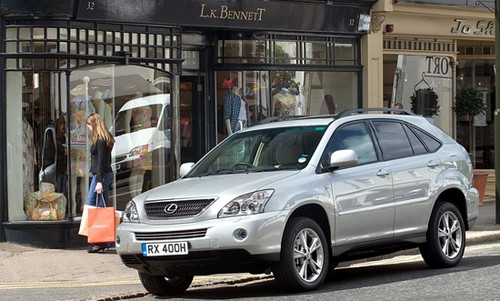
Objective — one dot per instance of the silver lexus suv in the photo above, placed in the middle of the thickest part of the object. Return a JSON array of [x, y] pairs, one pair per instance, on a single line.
[[296, 197]]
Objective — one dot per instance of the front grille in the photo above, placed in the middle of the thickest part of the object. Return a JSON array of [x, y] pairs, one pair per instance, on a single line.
[[170, 209], [155, 236]]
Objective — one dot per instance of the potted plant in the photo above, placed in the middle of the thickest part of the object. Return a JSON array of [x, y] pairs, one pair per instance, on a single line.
[[469, 102], [424, 102]]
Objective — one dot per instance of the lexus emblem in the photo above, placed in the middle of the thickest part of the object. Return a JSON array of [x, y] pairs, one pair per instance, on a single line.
[[170, 208]]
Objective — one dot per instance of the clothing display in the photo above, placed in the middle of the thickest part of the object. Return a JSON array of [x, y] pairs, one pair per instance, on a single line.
[[29, 159], [236, 110], [287, 104]]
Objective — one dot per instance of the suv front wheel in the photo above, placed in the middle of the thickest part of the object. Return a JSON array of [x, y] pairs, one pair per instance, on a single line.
[[163, 286], [304, 257], [445, 237]]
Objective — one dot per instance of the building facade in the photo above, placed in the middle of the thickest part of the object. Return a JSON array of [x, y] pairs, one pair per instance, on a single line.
[[171, 79], [433, 49]]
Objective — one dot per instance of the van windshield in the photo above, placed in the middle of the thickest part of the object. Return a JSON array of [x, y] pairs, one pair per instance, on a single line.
[[271, 149], [139, 118]]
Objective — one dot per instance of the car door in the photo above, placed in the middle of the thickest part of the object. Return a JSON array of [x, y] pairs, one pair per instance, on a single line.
[[415, 169], [362, 194]]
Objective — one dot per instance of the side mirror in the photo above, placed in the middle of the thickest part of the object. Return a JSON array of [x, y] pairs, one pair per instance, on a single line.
[[342, 159], [185, 168]]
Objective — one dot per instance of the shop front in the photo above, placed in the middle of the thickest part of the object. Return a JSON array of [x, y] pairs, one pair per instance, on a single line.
[[432, 52], [170, 82]]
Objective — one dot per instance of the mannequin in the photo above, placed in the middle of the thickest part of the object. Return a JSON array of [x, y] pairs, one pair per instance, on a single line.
[[329, 105], [285, 103], [140, 118], [79, 110], [102, 109], [29, 155], [236, 113]]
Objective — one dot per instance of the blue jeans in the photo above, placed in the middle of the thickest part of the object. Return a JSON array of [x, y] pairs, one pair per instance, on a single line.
[[107, 179]]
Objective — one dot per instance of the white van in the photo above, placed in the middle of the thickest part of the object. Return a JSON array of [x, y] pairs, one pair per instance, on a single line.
[[142, 126]]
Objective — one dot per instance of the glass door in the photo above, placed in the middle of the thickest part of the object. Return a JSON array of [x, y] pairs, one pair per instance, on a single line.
[[134, 103]]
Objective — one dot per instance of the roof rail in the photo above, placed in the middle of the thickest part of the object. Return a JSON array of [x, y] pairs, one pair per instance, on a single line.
[[291, 117], [350, 112]]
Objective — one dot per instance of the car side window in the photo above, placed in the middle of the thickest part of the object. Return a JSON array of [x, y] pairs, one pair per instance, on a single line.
[[416, 144], [431, 143], [352, 136], [393, 140]]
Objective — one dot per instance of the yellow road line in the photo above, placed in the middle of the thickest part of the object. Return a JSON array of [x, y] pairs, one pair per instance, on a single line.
[[69, 285]]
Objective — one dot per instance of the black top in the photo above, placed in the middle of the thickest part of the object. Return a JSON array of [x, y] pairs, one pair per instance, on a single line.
[[100, 163]]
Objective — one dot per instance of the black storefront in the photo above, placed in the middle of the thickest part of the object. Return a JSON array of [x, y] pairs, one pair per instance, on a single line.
[[159, 72]]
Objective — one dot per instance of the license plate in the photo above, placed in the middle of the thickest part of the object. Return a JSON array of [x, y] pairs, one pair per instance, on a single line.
[[165, 249]]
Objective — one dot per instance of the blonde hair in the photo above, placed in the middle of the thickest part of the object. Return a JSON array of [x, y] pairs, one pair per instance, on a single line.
[[99, 130]]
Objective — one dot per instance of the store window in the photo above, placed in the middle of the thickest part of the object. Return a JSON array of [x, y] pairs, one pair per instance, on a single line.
[[134, 103], [274, 82], [50, 95], [245, 98], [422, 84], [479, 74]]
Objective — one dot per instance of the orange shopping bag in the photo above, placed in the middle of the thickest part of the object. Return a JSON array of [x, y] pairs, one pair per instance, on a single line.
[[101, 224]]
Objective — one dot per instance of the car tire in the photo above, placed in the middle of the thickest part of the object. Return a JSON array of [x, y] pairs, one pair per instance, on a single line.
[[306, 272], [163, 286], [445, 244]]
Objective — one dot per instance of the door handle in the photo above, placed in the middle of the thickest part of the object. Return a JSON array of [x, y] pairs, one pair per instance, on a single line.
[[382, 173], [432, 164]]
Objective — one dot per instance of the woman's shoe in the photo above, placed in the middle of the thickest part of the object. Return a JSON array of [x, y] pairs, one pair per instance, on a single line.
[[95, 249]]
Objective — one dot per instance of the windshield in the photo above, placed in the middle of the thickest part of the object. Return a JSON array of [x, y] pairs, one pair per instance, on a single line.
[[262, 150], [138, 118]]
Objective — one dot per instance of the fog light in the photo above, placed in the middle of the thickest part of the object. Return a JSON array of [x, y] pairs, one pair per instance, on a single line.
[[117, 242], [240, 234]]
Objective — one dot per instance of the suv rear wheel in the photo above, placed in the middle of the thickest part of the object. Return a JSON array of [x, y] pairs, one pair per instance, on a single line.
[[445, 237], [304, 256], [163, 286]]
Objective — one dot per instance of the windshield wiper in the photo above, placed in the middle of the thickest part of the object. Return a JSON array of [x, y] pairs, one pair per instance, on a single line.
[[216, 172]]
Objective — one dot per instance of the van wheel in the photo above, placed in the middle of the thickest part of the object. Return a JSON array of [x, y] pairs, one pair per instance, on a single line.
[[445, 244], [304, 257], [163, 286]]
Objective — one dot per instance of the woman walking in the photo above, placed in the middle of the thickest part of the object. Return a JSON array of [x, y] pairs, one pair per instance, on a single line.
[[100, 167]]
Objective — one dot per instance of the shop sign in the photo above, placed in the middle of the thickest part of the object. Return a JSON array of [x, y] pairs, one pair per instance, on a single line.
[[224, 12], [480, 28], [248, 14]]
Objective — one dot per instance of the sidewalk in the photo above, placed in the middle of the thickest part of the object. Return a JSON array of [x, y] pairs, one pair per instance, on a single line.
[[26, 266]]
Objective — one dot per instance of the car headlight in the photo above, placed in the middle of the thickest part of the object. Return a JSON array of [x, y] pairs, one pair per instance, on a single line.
[[130, 214], [247, 204], [142, 149]]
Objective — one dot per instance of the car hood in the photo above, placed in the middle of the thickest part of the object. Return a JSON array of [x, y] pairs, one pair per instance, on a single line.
[[231, 185], [126, 142]]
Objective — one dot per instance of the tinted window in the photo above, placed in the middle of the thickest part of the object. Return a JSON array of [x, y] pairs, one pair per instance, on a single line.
[[393, 140], [416, 144], [355, 137], [431, 143]]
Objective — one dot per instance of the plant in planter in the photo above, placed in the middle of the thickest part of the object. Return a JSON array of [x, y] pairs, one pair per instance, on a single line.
[[469, 102], [424, 102]]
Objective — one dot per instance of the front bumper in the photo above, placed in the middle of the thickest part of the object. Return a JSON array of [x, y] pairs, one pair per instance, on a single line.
[[235, 244]]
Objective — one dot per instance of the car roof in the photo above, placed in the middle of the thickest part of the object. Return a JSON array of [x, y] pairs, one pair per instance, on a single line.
[[350, 115]]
